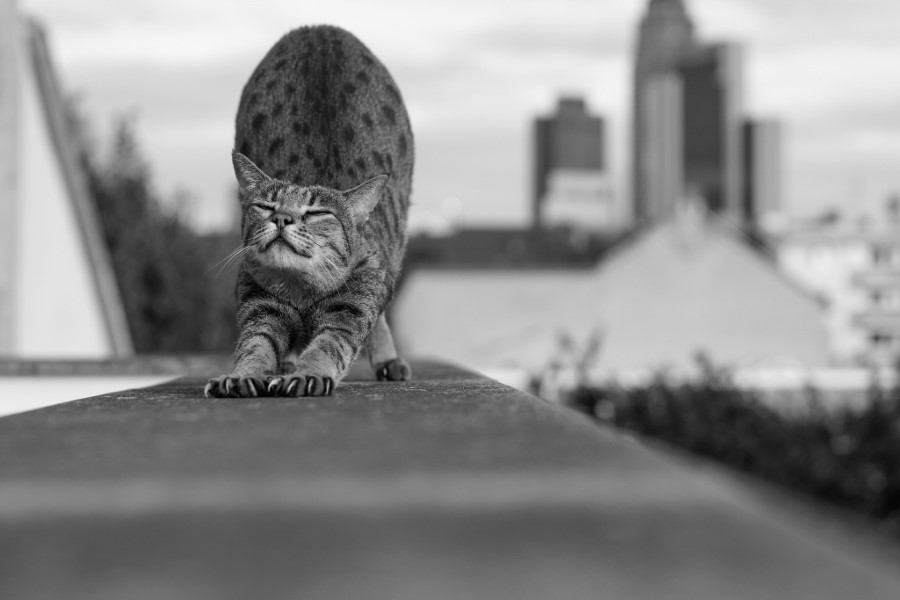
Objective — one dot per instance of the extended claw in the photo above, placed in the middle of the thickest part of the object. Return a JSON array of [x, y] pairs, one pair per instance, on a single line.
[[272, 386], [207, 389]]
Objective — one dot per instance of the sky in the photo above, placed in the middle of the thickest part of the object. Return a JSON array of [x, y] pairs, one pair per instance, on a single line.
[[474, 74]]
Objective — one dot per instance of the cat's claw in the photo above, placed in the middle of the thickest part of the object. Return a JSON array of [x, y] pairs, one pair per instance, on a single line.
[[272, 385], [395, 369], [233, 387], [295, 386]]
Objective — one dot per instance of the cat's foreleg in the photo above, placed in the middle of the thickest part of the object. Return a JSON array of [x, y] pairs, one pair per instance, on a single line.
[[263, 339], [341, 327], [383, 358]]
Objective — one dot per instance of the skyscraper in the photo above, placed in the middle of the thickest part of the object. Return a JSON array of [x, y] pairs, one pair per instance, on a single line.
[[666, 34], [762, 169], [712, 125], [570, 140], [687, 119]]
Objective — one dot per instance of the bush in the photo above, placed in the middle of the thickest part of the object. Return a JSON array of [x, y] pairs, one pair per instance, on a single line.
[[844, 455]]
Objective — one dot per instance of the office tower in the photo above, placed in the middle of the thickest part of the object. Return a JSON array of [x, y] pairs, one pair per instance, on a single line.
[[762, 169], [711, 124], [569, 141], [687, 120], [666, 34]]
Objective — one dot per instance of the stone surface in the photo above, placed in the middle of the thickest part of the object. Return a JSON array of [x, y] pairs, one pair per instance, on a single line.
[[447, 486]]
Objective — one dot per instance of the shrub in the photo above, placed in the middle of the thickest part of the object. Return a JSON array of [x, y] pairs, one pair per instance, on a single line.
[[849, 456]]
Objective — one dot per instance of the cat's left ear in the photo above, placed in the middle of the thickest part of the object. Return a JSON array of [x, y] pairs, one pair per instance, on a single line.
[[249, 176], [363, 199]]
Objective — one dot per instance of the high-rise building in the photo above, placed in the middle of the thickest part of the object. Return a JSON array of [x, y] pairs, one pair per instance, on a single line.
[[762, 169], [666, 34], [687, 121], [711, 117], [569, 141]]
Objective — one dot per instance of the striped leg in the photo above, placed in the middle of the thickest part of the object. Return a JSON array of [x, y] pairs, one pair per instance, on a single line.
[[341, 328], [264, 337]]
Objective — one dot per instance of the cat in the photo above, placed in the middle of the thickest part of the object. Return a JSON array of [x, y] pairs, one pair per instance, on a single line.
[[324, 162]]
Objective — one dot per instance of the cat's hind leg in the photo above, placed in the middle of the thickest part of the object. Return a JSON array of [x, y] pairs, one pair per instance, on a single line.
[[383, 354]]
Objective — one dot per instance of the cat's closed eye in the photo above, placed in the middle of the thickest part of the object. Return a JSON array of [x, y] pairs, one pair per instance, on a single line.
[[317, 214], [265, 208]]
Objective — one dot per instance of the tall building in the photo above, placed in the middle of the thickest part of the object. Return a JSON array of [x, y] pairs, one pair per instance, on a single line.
[[666, 34], [762, 169], [711, 116], [568, 156], [687, 137]]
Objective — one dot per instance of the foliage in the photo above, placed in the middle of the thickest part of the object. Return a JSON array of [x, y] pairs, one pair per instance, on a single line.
[[845, 455], [172, 299]]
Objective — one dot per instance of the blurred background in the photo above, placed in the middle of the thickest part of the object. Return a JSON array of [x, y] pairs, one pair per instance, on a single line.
[[611, 186]]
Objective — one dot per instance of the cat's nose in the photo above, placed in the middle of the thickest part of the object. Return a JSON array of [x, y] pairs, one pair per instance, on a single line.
[[282, 220]]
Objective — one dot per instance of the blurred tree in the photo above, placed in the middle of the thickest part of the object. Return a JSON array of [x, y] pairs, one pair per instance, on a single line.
[[173, 300]]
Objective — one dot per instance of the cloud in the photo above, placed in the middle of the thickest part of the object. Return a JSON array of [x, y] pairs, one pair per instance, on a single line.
[[475, 72]]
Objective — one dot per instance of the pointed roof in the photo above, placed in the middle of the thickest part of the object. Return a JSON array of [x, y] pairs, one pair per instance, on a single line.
[[40, 165], [68, 154]]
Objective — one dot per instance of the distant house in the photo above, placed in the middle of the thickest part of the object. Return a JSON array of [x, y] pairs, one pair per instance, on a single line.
[[58, 294], [685, 285], [855, 267]]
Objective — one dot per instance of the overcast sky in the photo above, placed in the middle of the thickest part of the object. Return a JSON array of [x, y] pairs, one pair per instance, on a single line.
[[475, 72]]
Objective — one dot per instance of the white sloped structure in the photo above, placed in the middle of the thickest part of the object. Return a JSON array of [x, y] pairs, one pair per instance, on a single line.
[[58, 295], [680, 287]]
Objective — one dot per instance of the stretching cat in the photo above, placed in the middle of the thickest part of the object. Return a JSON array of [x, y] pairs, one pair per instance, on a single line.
[[324, 160]]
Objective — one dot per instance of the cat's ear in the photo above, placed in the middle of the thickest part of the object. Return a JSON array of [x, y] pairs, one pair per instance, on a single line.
[[249, 176], [363, 199]]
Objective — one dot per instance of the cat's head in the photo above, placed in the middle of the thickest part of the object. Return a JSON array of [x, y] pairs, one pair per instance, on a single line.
[[312, 232]]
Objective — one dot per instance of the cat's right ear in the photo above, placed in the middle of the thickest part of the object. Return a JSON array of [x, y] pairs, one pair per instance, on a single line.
[[249, 176]]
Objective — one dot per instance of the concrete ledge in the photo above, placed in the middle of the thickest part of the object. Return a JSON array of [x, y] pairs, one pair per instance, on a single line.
[[447, 486], [168, 364]]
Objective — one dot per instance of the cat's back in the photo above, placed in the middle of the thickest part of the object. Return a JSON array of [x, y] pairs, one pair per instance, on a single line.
[[321, 109]]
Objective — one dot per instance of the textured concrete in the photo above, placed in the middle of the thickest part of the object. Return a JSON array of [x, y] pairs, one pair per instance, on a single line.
[[447, 486]]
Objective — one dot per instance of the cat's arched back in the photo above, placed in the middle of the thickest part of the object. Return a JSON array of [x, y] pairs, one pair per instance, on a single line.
[[321, 109]]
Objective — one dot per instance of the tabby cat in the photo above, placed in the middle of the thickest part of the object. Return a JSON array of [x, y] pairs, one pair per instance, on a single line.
[[324, 162]]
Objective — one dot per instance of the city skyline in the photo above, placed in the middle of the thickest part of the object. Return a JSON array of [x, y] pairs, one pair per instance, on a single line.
[[473, 85]]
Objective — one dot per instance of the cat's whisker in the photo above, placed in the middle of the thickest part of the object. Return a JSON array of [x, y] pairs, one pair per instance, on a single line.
[[229, 260]]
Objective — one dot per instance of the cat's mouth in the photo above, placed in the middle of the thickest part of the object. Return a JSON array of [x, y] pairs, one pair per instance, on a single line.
[[280, 242]]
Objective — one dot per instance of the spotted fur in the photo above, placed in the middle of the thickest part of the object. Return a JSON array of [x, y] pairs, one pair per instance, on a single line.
[[324, 160]]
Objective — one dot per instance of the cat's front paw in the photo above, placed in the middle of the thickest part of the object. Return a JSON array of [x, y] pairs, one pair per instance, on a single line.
[[234, 386], [395, 369], [295, 385]]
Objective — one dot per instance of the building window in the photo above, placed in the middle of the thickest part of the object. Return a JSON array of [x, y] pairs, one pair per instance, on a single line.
[[886, 256], [887, 300], [879, 341], [884, 343]]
